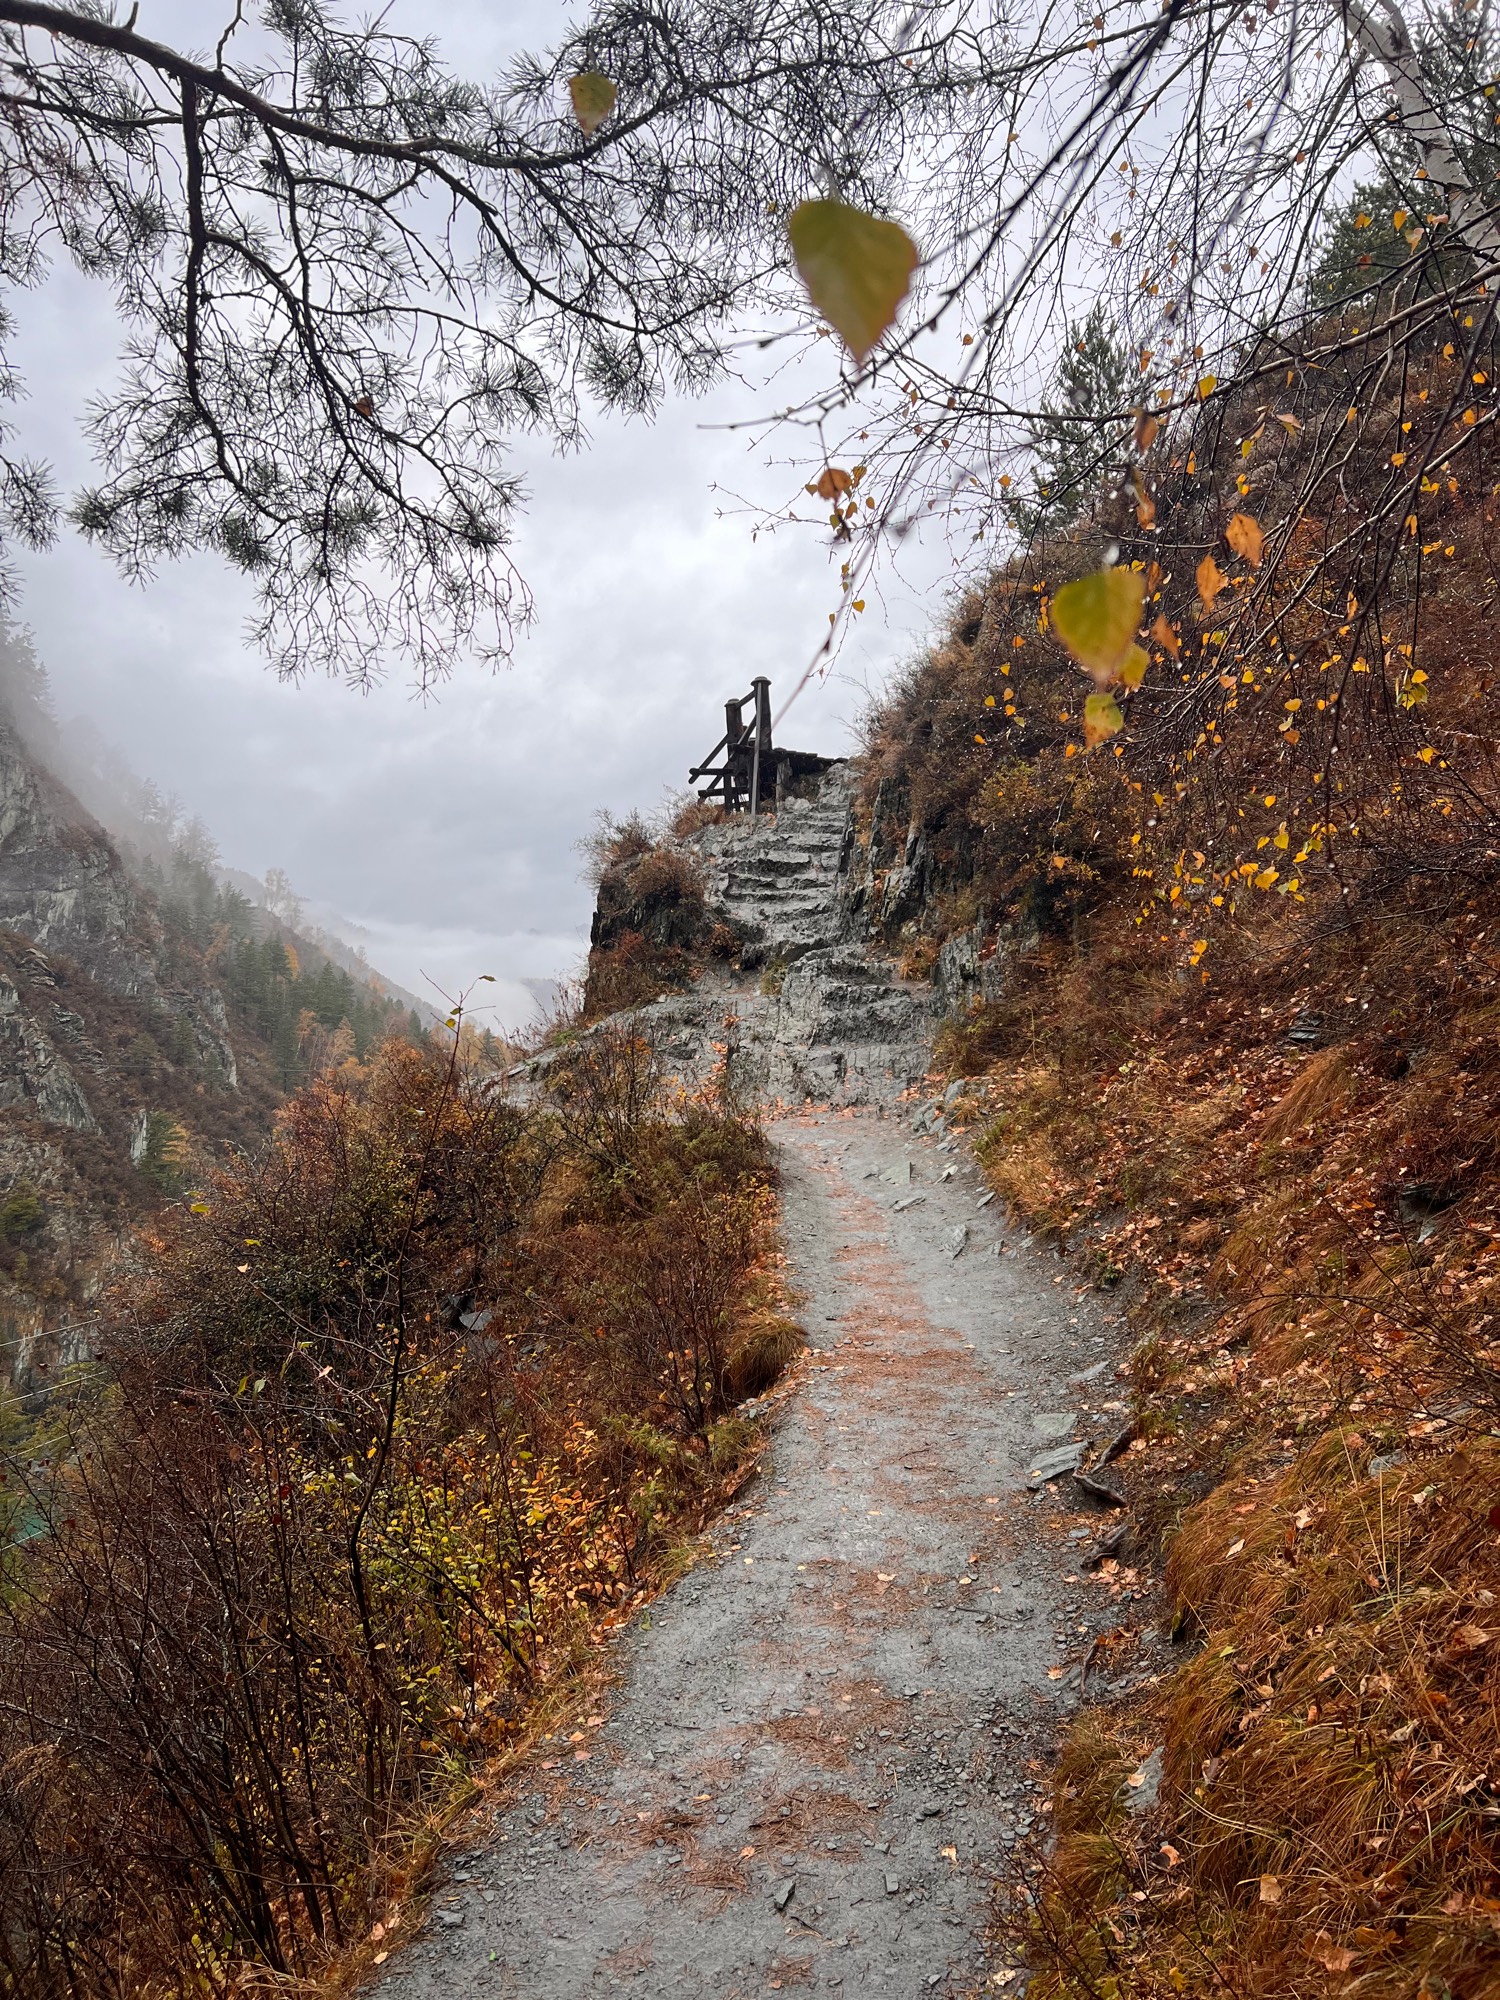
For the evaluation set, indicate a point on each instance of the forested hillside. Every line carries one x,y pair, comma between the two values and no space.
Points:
151,1022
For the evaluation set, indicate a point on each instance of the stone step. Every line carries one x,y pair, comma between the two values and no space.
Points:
773,909
783,896
836,1023
776,867
771,868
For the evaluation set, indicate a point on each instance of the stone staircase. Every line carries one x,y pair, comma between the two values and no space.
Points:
809,1010
778,880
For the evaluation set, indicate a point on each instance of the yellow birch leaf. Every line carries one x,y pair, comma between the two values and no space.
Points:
1211,580
1101,718
1097,618
593,98
1206,386
856,268
1133,667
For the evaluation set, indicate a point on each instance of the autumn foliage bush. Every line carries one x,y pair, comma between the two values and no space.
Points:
390,1428
651,932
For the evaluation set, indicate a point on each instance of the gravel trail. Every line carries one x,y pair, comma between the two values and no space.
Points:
815,1760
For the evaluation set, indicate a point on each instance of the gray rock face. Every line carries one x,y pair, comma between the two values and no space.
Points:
34,1078
61,882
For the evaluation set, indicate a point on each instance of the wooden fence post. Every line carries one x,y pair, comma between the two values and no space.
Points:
760,694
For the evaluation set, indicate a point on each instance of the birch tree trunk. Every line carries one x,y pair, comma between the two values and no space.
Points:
1384,35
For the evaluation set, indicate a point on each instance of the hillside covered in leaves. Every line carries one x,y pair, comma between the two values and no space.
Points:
1233,909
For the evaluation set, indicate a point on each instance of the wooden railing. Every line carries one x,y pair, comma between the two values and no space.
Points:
736,783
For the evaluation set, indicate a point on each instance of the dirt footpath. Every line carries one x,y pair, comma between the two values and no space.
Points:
815,1762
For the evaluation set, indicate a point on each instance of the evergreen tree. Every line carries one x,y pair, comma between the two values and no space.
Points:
1081,425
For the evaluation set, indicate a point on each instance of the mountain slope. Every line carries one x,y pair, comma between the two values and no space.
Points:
148,1019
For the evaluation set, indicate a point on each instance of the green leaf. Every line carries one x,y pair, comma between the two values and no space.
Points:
855,266
1097,619
593,98
1101,718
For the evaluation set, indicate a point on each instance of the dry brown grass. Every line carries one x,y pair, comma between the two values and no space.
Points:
1326,1817
762,1356
1334,1731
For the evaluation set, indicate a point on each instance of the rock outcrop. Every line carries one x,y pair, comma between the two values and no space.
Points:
805,1007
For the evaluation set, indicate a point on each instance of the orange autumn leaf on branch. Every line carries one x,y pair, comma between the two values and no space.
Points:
1211,580
1245,538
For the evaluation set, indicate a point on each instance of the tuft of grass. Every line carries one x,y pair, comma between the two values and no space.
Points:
762,1357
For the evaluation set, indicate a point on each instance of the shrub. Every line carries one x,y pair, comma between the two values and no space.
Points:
373,1440
20,1213
651,931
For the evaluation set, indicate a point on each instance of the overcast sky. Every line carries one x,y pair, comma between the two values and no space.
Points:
449,828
